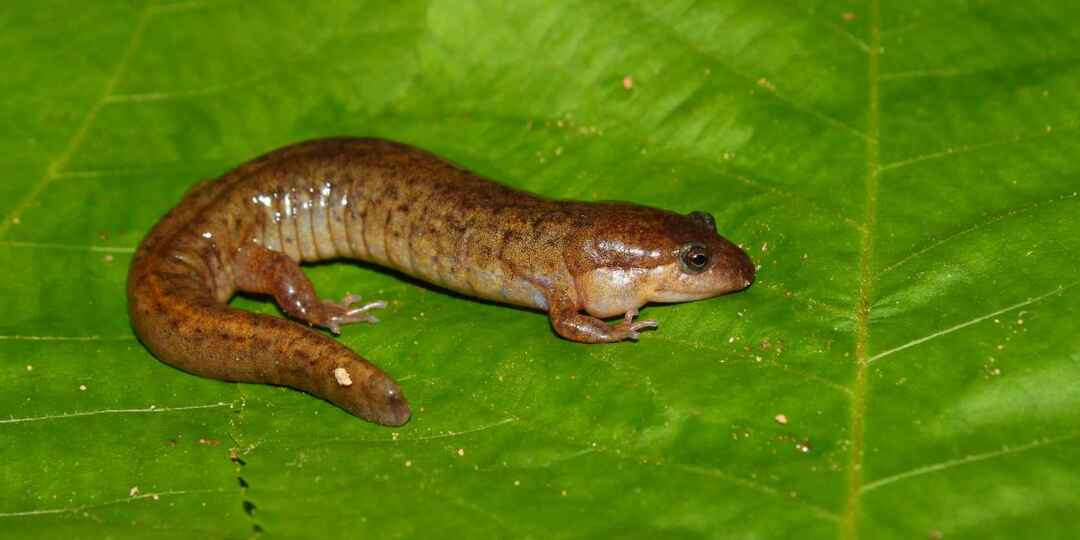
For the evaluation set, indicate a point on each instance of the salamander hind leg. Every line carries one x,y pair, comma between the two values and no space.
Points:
263,271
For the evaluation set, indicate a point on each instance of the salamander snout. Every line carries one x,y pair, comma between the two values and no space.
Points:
731,269
742,267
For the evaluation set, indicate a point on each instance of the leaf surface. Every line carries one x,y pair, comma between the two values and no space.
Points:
902,173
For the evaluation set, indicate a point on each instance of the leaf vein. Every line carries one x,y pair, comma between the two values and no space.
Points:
748,80
754,486
66,247
848,529
66,338
989,221
976,320
150,409
53,170
1045,133
80,508
971,458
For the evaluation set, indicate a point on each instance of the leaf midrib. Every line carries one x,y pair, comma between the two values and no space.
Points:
849,522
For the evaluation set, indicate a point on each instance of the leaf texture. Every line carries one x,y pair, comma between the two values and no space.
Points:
903,173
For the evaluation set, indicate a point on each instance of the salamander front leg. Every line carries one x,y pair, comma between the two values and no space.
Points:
262,271
569,323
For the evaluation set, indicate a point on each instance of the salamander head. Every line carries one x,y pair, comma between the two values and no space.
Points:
704,265
649,255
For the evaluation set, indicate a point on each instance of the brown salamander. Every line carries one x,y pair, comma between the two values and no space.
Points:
406,209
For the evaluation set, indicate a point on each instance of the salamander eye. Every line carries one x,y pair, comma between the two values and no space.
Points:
694,258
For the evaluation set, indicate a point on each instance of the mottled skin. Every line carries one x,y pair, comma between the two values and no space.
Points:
403,208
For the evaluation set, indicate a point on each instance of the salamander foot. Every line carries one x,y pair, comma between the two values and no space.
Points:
343,312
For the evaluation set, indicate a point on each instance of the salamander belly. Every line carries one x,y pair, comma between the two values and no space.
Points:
497,286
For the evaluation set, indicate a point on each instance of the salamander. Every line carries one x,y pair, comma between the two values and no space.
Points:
403,208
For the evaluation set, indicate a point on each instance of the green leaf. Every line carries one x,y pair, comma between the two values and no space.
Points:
903,173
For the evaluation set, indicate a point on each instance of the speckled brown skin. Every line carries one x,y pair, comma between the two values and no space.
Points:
405,209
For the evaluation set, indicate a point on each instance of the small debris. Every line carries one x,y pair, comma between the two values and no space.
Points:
848,16
234,455
208,442
935,534
108,258
156,497
134,491
764,83
628,82
461,451
764,247
15,220
395,435
342,376
804,447
563,493
82,387
517,482
408,463
781,419
29,367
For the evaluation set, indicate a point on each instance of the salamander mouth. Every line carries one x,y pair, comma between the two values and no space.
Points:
672,296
